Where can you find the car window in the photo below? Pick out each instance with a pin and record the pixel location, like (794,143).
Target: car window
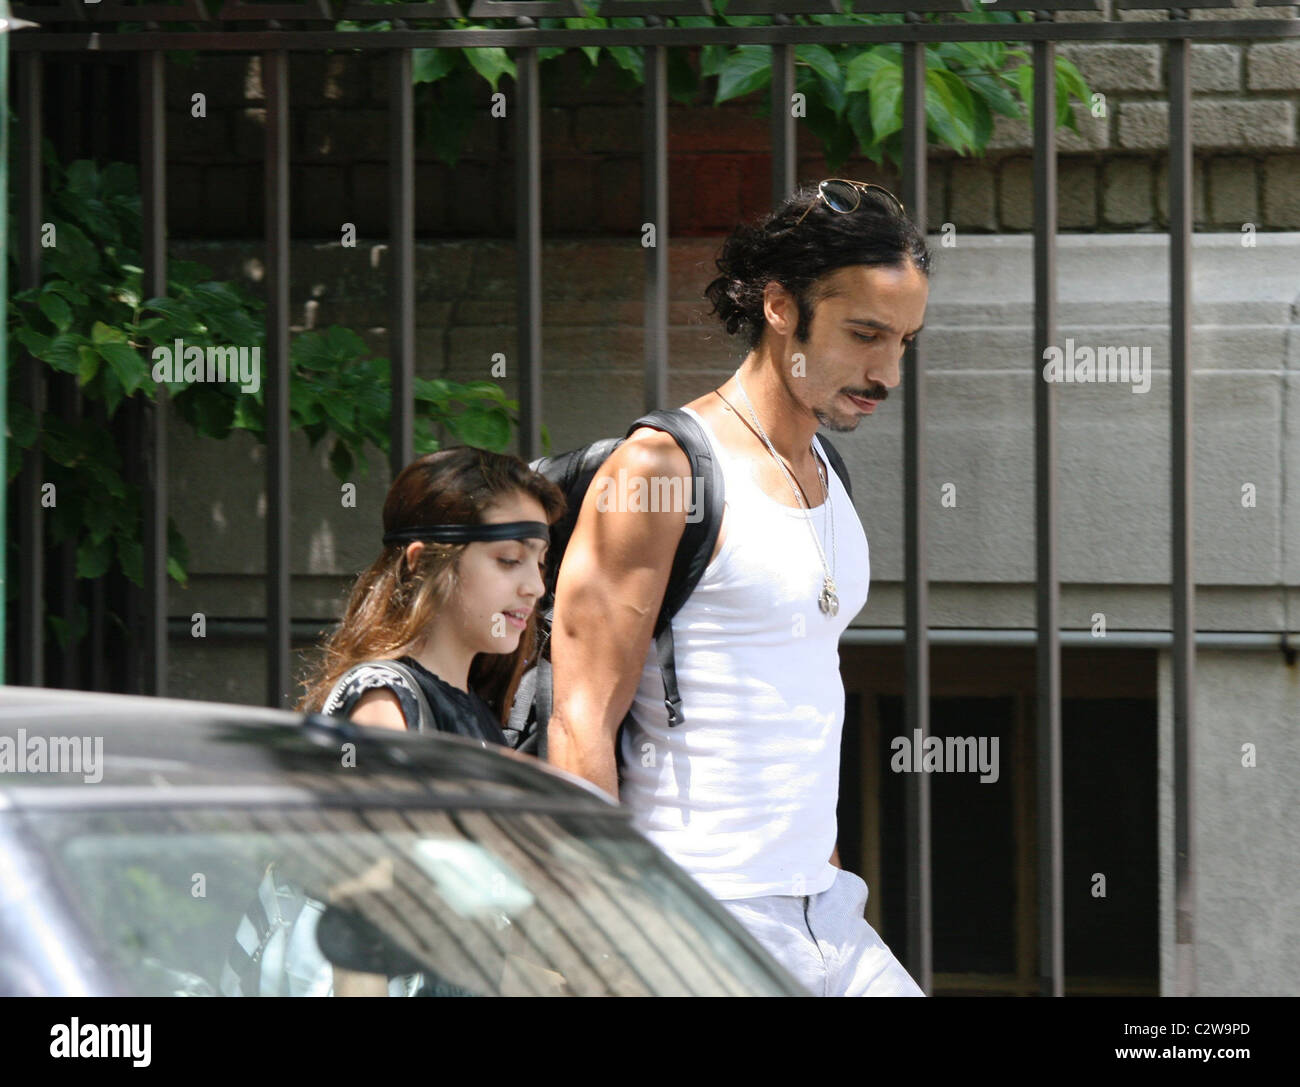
(316,901)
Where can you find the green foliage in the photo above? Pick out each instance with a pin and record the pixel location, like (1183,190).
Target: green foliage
(88,318)
(853,92)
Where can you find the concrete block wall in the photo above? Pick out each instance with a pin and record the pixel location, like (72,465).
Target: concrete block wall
(1245,796)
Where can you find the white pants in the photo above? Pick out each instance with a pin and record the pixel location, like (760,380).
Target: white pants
(824,940)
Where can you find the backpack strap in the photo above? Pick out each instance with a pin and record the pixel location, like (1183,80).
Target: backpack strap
(703,523)
(572,472)
(426,722)
(837,462)
(516,728)
(544,697)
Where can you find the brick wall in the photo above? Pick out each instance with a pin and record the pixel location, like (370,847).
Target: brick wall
(1112,174)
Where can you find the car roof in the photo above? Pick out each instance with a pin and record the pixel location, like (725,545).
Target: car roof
(131,751)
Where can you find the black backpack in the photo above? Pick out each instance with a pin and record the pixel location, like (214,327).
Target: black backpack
(573,472)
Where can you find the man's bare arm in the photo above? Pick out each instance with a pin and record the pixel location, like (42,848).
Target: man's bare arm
(610,588)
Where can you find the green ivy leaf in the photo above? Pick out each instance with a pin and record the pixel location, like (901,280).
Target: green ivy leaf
(1023,78)
(73,257)
(591,52)
(950,109)
(102,333)
(326,349)
(98,518)
(745,71)
(35,342)
(433,392)
(341,460)
(248,414)
(130,554)
(628,59)
(211,410)
(72,293)
(430,65)
(89,365)
(491,62)
(181,320)
(93,557)
(57,310)
(127,365)
(996,94)
(343,414)
(112,397)
(221,297)
(822,61)
(886,90)
(22,424)
(62,352)
(983,120)
(82,178)
(858,72)
(484,428)
(1069,81)
(712,59)
(858,112)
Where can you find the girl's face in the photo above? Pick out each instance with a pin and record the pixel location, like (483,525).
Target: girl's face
(500,582)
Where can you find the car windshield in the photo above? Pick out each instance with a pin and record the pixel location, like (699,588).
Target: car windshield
(321,901)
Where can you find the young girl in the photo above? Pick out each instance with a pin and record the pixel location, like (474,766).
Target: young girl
(452,596)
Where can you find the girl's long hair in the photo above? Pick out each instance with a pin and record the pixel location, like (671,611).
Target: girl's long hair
(392,605)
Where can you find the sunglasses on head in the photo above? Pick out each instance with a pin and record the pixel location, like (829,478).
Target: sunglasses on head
(842,195)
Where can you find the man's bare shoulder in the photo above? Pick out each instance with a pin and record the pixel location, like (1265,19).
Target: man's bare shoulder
(650,452)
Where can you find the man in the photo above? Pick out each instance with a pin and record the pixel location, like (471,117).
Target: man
(828,290)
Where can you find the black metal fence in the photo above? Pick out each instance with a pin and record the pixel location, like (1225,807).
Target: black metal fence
(276,29)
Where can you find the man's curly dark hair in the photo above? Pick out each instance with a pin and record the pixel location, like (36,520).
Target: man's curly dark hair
(875,233)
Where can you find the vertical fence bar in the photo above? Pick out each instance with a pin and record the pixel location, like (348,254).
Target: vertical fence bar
(275,79)
(5,360)
(153,417)
(64,398)
(401,172)
(528,243)
(784,140)
(654,187)
(1051,932)
(1181,465)
(65,393)
(916,654)
(28,517)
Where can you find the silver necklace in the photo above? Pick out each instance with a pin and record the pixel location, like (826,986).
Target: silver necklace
(827,600)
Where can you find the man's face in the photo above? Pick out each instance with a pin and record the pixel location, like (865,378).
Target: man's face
(853,353)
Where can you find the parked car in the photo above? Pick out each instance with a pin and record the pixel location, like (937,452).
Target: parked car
(167,847)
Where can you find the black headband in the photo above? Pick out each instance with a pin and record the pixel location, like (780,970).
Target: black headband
(501,530)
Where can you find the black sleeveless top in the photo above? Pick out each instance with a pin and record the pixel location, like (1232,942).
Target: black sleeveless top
(461,712)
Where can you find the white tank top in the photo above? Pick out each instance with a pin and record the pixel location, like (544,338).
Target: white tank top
(742,794)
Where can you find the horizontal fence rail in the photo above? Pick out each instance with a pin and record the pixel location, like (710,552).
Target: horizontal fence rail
(71,26)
